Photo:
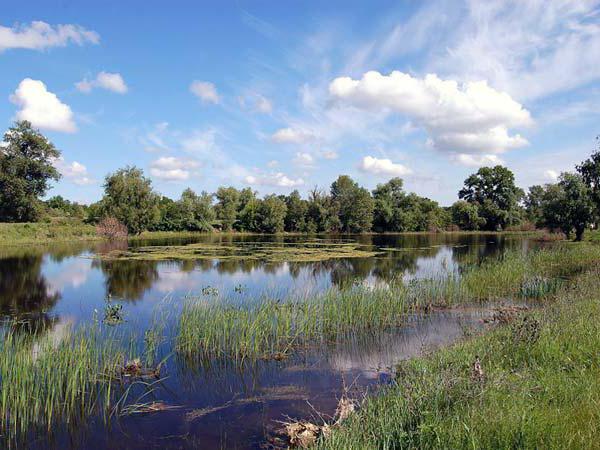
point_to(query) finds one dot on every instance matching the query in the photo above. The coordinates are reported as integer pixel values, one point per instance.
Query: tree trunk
(579, 233)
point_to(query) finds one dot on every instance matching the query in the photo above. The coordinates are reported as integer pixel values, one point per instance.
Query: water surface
(223, 405)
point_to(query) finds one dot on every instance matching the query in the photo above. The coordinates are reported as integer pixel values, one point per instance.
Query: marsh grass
(540, 385)
(210, 328)
(53, 379)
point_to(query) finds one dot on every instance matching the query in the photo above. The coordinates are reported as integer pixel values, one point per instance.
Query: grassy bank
(540, 386)
(43, 233)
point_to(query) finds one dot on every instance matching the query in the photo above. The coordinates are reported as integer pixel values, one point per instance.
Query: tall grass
(218, 328)
(540, 389)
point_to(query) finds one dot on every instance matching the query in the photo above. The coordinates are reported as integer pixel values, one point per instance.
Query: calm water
(55, 287)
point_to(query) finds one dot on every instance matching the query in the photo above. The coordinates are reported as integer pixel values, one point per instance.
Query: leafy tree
(494, 191)
(249, 219)
(466, 215)
(533, 203)
(322, 213)
(59, 206)
(355, 205)
(128, 196)
(26, 171)
(271, 214)
(297, 208)
(228, 201)
(387, 199)
(568, 205)
(197, 213)
(590, 172)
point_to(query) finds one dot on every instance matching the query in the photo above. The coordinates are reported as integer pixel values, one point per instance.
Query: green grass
(42, 232)
(218, 327)
(541, 385)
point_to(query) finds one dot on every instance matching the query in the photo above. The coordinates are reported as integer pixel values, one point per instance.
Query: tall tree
(493, 189)
(590, 172)
(322, 213)
(387, 199)
(295, 218)
(355, 205)
(128, 196)
(271, 214)
(26, 171)
(228, 200)
(568, 205)
(196, 211)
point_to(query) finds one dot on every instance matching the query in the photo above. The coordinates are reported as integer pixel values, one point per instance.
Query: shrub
(111, 228)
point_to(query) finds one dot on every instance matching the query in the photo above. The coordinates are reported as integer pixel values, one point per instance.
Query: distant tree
(228, 201)
(297, 208)
(568, 205)
(196, 211)
(271, 214)
(416, 213)
(466, 215)
(590, 172)
(59, 206)
(26, 170)
(355, 205)
(248, 216)
(533, 204)
(387, 199)
(128, 196)
(494, 191)
(322, 213)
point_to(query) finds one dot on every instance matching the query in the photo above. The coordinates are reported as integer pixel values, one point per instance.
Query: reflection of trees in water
(25, 293)
(128, 279)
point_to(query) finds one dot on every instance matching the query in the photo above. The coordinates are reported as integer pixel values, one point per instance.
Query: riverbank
(532, 382)
(68, 229)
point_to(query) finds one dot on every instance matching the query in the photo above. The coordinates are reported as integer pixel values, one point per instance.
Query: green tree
(228, 201)
(387, 199)
(494, 191)
(248, 215)
(466, 215)
(590, 172)
(297, 208)
(322, 213)
(197, 212)
(26, 171)
(355, 205)
(128, 196)
(568, 205)
(271, 214)
(533, 204)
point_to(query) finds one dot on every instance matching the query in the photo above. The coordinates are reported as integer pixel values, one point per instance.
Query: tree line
(488, 201)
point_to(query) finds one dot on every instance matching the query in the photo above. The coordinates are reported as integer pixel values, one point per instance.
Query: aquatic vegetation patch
(310, 251)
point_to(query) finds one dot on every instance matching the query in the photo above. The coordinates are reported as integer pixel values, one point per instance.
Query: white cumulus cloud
(104, 80)
(292, 136)
(205, 91)
(304, 159)
(171, 168)
(74, 171)
(551, 175)
(42, 107)
(39, 35)
(275, 179)
(459, 118)
(383, 166)
(477, 160)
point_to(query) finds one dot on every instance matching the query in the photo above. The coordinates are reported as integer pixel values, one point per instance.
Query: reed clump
(211, 327)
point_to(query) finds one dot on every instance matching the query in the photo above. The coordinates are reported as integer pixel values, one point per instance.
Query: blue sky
(288, 95)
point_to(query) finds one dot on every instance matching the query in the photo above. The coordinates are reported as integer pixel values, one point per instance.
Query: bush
(111, 228)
